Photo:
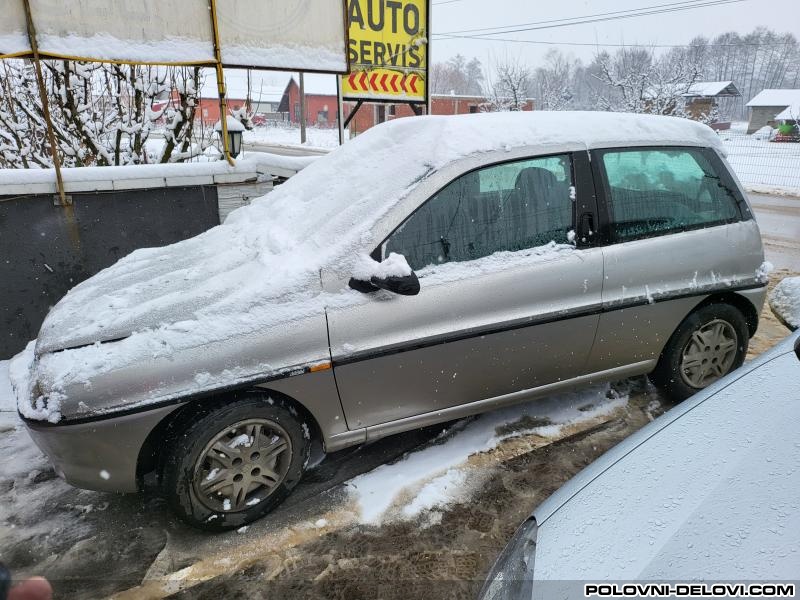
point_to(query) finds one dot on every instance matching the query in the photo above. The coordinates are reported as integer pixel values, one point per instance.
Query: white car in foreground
(709, 492)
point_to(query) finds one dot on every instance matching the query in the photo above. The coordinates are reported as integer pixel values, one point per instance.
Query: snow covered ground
(6, 397)
(287, 135)
(445, 499)
(437, 475)
(763, 166)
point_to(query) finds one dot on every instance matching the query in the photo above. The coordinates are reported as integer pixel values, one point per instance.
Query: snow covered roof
(775, 97)
(710, 89)
(790, 113)
(264, 86)
(317, 84)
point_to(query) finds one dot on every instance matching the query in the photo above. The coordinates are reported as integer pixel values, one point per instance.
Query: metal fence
(761, 162)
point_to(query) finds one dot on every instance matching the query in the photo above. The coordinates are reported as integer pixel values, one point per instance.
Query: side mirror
(393, 275)
(407, 285)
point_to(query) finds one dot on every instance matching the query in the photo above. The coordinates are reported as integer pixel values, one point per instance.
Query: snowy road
(779, 219)
(430, 508)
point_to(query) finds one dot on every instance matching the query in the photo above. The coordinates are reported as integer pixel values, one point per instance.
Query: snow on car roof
(322, 213)
(261, 267)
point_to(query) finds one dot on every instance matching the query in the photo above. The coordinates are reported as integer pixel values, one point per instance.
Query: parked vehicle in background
(706, 492)
(430, 269)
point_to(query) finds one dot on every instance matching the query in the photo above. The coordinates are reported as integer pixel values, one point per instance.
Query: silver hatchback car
(431, 268)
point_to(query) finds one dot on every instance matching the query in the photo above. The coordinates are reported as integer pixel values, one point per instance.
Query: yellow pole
(223, 103)
(51, 138)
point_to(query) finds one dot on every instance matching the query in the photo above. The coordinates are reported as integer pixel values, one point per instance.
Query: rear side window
(505, 207)
(658, 191)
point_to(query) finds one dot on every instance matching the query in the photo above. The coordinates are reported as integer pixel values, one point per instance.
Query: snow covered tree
(102, 114)
(552, 84)
(636, 81)
(182, 140)
(23, 136)
(507, 85)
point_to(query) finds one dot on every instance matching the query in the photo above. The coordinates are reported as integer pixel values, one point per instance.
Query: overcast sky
(677, 27)
(665, 28)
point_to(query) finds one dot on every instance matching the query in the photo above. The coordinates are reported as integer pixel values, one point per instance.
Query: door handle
(586, 227)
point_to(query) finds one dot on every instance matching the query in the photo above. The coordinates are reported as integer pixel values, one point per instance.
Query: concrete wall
(47, 248)
(761, 116)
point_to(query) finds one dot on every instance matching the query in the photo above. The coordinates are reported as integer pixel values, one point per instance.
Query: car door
(507, 302)
(677, 229)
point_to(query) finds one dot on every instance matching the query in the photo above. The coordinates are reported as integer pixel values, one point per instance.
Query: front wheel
(233, 463)
(710, 343)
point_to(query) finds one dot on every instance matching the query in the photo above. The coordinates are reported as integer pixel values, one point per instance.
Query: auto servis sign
(387, 50)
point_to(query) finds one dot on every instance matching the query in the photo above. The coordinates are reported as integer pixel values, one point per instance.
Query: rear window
(659, 191)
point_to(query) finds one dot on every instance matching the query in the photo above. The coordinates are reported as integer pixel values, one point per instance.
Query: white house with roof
(769, 107)
(702, 99)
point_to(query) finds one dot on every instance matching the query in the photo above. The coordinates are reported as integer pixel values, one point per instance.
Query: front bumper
(99, 454)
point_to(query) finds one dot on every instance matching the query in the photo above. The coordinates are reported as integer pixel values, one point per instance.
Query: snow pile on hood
(785, 301)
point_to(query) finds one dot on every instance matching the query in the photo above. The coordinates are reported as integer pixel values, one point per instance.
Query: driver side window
(506, 207)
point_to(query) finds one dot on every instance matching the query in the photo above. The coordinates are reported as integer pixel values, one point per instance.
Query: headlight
(511, 577)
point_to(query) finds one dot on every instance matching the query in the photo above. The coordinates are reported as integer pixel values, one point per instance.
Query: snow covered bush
(102, 114)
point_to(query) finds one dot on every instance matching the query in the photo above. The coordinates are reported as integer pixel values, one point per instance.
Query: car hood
(706, 491)
(202, 283)
(265, 259)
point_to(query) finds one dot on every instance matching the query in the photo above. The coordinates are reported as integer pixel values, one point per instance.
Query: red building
(270, 100)
(321, 101)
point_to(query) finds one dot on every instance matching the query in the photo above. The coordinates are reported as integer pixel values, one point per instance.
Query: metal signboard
(272, 34)
(387, 50)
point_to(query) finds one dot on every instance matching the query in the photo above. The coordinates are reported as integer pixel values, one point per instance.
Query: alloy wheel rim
(242, 465)
(709, 354)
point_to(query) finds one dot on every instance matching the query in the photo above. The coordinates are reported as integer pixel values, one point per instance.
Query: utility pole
(302, 110)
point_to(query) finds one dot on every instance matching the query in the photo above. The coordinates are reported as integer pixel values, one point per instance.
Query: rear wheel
(710, 343)
(232, 464)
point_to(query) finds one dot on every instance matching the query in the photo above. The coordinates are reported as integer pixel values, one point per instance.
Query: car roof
(463, 135)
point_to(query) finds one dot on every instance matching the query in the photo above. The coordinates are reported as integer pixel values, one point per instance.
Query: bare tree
(552, 83)
(507, 85)
(458, 75)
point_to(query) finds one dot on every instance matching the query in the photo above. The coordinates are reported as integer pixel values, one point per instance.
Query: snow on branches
(636, 81)
(102, 114)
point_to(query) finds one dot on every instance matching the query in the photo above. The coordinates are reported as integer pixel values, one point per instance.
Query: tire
(230, 464)
(689, 364)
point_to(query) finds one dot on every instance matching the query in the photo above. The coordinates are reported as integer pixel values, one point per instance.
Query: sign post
(340, 110)
(388, 52)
